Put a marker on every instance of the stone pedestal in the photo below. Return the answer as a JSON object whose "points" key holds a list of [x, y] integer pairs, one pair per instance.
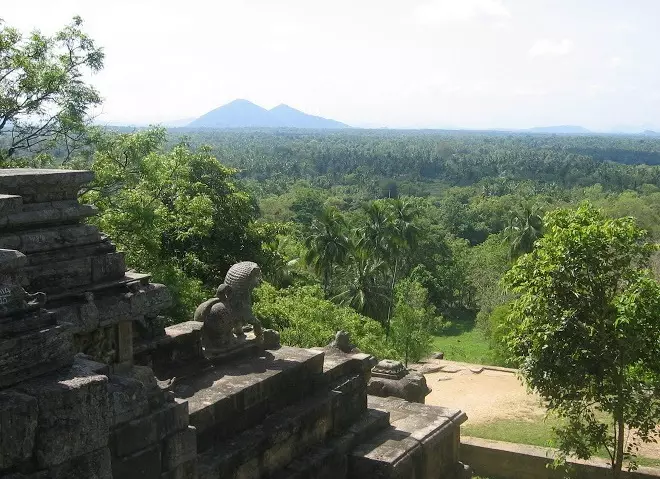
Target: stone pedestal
{"points": [[391, 378]]}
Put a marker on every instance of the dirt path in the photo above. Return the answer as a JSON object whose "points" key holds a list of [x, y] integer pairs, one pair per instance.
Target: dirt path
{"points": [[483, 394], [487, 395]]}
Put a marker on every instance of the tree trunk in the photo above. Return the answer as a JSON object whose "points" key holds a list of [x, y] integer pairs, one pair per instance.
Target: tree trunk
{"points": [[620, 440], [389, 306]]}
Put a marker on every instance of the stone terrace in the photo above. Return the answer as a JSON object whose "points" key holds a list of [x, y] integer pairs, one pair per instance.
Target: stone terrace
{"points": [[80, 339]]}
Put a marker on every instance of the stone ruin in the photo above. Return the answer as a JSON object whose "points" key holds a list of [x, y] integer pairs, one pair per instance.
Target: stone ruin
{"points": [[92, 385], [391, 379]]}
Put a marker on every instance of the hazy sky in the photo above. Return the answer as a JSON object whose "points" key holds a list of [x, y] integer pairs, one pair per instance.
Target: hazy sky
{"points": [[396, 63]]}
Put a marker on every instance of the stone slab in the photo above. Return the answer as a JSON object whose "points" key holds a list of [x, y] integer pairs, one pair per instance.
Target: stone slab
{"points": [[227, 399], [423, 442], [10, 204], [42, 185], [74, 414], [144, 464], [34, 353], [47, 215], [94, 465], [179, 448], [18, 425], [47, 239], [11, 260]]}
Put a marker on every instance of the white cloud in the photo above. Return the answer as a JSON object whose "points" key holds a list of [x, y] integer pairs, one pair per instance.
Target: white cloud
{"points": [[552, 48], [448, 11], [615, 62]]}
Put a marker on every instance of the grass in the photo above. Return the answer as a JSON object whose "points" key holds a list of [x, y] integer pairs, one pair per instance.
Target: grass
{"points": [[464, 342], [535, 432]]}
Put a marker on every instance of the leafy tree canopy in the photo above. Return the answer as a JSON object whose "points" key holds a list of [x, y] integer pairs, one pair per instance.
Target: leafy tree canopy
{"points": [[44, 99], [584, 331]]}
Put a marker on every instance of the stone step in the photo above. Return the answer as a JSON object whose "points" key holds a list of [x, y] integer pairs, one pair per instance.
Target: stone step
{"points": [[422, 442], [227, 399], [294, 438], [47, 214], [329, 461], [47, 239], [128, 278]]}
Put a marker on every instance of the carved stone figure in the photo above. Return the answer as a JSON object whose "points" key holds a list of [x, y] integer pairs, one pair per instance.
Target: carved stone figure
{"points": [[243, 278], [391, 378], [219, 322], [342, 342]]}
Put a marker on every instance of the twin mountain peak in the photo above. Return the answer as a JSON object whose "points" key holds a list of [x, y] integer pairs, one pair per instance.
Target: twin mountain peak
{"points": [[245, 114]]}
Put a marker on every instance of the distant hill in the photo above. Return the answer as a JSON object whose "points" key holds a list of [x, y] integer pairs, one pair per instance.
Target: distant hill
{"points": [[245, 114], [559, 129]]}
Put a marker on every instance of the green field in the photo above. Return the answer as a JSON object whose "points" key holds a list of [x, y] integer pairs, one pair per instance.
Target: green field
{"points": [[464, 342]]}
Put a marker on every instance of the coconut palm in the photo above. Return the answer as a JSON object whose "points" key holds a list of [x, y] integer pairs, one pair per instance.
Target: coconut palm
{"points": [[327, 244], [524, 228]]}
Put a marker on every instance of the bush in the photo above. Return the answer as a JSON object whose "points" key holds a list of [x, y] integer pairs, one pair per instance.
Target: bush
{"points": [[305, 319]]}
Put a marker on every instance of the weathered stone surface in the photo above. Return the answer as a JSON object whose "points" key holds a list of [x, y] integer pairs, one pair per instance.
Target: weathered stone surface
{"points": [[74, 414], [128, 399], [423, 443], [271, 339], [233, 397], [11, 260], [13, 325], [144, 464], [9, 204], [146, 431], [18, 424], [34, 353], [179, 448], [411, 387], [36, 241], [108, 266], [187, 470], [43, 185], [94, 465]]}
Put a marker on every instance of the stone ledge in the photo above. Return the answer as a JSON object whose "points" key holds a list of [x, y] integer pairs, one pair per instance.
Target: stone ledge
{"points": [[529, 462]]}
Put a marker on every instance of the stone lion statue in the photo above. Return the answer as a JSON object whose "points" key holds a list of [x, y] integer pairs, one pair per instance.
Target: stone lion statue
{"points": [[243, 277], [218, 321]]}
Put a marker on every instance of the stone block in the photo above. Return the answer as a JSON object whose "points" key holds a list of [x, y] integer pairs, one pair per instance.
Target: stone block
{"points": [[179, 448], [143, 464], [35, 353], [18, 425], [146, 431], [12, 295], [187, 470], [108, 267], [94, 465], [83, 317], [128, 399], [10, 204], [58, 277], [48, 239], [42, 185], [11, 260], [74, 414], [125, 341]]}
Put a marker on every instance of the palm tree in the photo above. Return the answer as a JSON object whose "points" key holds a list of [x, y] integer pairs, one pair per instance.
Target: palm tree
{"points": [[364, 287], [524, 228], [327, 244]]}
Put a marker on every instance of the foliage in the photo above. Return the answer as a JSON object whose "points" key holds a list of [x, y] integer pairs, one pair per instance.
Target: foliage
{"points": [[584, 331], [412, 322], [177, 214], [44, 100], [306, 319]]}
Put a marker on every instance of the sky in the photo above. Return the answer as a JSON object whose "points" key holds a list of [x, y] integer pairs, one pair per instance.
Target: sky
{"points": [[374, 63]]}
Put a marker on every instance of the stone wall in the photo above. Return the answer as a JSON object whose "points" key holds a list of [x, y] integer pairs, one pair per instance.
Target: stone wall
{"points": [[521, 461]]}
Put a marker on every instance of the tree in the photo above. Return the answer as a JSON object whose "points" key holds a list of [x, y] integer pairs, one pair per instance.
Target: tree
{"points": [[412, 322], [44, 100], [177, 214], [584, 331], [524, 228], [327, 244]]}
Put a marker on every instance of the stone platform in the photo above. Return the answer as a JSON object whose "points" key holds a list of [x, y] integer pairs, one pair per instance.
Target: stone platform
{"points": [[92, 385]]}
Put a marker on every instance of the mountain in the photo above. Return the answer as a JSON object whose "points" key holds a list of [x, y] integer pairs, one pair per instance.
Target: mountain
{"points": [[293, 118], [245, 114], [558, 129]]}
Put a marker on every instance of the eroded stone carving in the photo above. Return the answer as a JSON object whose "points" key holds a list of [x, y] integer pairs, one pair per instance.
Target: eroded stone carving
{"points": [[391, 378], [219, 322], [243, 277], [342, 342]]}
